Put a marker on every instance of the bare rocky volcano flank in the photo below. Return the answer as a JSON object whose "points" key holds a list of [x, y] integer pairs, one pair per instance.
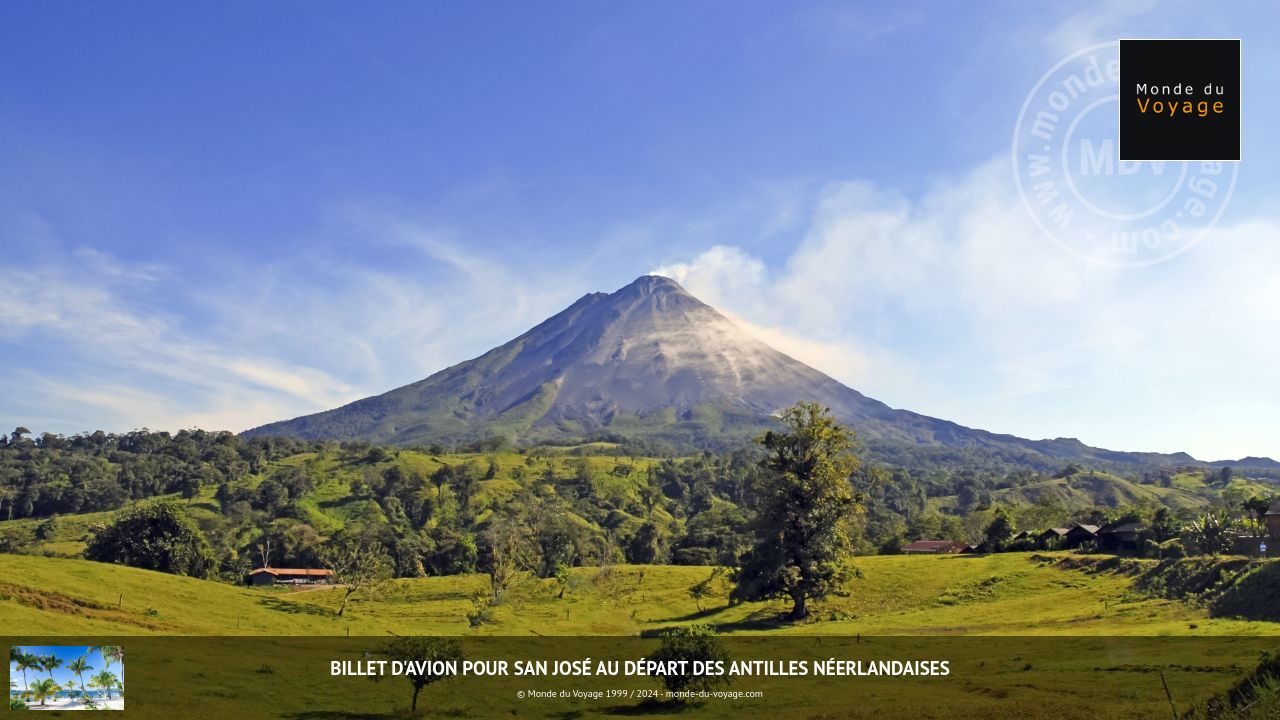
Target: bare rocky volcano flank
{"points": [[652, 346], [648, 361]]}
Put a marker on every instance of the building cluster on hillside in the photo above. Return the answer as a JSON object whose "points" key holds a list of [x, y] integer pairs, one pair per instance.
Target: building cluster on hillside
{"points": [[1112, 537], [1109, 537]]}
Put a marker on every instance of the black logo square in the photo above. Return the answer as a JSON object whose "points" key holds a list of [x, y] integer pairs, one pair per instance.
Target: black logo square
{"points": [[1179, 99]]}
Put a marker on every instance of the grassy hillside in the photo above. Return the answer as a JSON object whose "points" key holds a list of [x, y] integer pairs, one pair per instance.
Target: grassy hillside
{"points": [[1087, 606], [1009, 594], [1087, 488], [331, 505], [1201, 484]]}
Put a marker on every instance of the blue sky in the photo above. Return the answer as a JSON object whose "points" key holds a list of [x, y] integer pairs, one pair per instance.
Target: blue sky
{"points": [[226, 215], [62, 676]]}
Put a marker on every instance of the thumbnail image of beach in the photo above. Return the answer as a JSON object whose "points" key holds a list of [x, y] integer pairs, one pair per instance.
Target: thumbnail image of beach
{"points": [[66, 677]]}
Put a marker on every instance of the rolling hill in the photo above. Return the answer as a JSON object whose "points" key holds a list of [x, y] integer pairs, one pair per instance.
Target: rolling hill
{"points": [[1005, 594], [1109, 644]]}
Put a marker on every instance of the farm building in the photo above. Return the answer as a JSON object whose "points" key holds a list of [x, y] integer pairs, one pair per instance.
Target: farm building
{"points": [[290, 576], [1273, 520], [1123, 536], [1052, 538], [934, 547], [1079, 535]]}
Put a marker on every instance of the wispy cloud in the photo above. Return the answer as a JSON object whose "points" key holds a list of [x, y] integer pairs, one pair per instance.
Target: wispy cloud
{"points": [[953, 303], [90, 318], [956, 305], [844, 25], [1104, 21], [120, 345]]}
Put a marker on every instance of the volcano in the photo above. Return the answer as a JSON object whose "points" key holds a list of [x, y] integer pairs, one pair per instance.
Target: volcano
{"points": [[649, 361]]}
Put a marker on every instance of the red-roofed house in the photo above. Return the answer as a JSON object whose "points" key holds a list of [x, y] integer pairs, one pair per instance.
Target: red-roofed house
{"points": [[290, 576], [934, 547]]}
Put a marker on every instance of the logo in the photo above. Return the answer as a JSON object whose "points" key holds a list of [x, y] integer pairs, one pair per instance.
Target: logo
{"points": [[1180, 99], [1066, 162]]}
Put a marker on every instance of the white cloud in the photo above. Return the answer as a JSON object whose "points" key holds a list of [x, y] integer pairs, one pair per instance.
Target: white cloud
{"points": [[730, 280], [956, 305], [111, 344], [720, 269], [952, 304], [88, 317]]}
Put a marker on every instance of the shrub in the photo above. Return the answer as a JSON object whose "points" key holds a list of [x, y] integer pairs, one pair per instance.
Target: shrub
{"points": [[1150, 548], [691, 643], [153, 536], [1174, 548], [1025, 544]]}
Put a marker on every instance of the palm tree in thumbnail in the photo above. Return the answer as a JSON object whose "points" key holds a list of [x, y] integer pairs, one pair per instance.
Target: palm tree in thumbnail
{"points": [[80, 666], [104, 680], [26, 661], [15, 658], [44, 689], [109, 653], [49, 663]]}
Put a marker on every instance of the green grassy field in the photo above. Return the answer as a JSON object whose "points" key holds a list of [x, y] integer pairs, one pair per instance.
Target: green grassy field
{"points": [[1031, 634], [1046, 633], [1007, 594]]}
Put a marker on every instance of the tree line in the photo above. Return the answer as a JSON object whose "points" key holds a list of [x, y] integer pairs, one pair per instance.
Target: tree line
{"points": [[558, 513], [52, 474]]}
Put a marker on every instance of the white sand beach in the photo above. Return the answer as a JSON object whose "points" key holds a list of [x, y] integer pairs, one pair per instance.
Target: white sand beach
{"points": [[76, 704]]}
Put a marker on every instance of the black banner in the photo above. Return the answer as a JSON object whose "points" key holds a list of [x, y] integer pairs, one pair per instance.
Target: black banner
{"points": [[589, 677]]}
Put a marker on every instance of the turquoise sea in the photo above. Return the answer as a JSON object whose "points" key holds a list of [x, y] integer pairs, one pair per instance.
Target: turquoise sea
{"points": [[95, 693]]}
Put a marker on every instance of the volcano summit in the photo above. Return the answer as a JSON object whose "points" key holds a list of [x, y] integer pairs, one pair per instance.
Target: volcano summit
{"points": [[649, 361]]}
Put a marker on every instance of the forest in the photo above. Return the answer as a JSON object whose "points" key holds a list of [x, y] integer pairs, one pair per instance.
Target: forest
{"points": [[236, 504]]}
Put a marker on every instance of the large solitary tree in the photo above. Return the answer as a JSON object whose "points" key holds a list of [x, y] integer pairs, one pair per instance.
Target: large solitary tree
{"points": [[805, 504]]}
